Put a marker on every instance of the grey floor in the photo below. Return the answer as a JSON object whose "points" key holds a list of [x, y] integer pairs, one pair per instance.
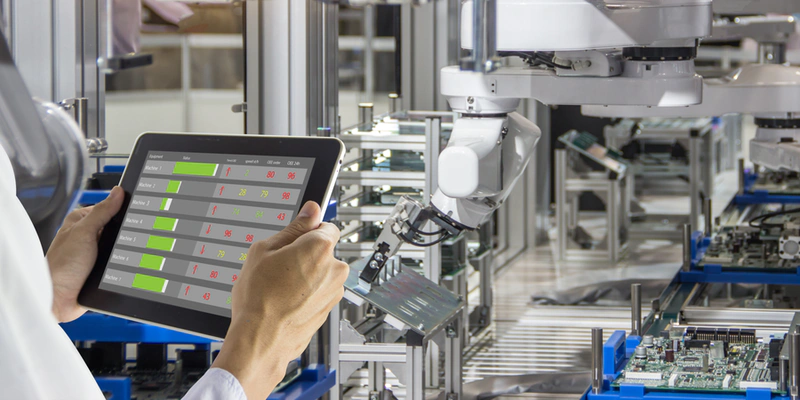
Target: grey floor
{"points": [[531, 339]]}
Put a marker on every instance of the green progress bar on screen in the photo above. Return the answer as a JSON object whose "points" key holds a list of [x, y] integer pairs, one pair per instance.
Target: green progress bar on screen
{"points": [[196, 169], [173, 186], [151, 283], [165, 204], [165, 224], [150, 261], [160, 243]]}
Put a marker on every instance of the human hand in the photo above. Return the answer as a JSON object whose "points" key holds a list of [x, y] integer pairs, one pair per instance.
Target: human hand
{"points": [[73, 253], [288, 285]]}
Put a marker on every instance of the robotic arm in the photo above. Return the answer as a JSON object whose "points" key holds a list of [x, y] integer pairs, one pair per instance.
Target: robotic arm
{"points": [[481, 164], [769, 90], [625, 52]]}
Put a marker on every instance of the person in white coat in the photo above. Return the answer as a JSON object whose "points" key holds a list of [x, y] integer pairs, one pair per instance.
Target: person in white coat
{"points": [[288, 285]]}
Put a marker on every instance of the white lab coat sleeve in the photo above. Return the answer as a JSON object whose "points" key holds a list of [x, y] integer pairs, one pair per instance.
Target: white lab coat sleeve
{"points": [[38, 361], [216, 384]]}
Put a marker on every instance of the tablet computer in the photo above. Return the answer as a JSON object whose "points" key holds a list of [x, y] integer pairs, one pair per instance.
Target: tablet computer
{"points": [[194, 204]]}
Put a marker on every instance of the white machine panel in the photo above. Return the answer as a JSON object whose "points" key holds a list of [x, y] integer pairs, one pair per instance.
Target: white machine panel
{"points": [[593, 24]]}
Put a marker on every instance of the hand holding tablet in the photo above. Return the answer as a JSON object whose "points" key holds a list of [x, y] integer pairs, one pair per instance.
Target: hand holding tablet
{"points": [[288, 285]]}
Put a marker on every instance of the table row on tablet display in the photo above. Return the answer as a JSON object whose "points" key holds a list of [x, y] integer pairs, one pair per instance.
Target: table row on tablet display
{"points": [[178, 267], [169, 289], [187, 247], [208, 230], [228, 172], [229, 191], [169, 207]]}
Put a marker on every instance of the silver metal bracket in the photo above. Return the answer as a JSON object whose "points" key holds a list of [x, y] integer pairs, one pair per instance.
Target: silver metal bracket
{"points": [[79, 108], [410, 300]]}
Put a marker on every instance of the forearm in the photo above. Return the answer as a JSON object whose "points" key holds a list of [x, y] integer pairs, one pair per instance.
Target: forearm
{"points": [[253, 356]]}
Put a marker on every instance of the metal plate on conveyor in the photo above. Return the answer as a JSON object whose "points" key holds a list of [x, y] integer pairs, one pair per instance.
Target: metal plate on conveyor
{"points": [[407, 296]]}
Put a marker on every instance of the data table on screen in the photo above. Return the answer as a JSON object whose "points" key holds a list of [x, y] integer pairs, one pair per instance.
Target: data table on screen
{"points": [[192, 219]]}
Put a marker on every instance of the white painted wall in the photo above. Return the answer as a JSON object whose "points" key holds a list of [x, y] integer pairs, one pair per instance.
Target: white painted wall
{"points": [[128, 114]]}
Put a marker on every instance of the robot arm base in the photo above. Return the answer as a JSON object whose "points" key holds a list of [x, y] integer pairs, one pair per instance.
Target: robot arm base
{"points": [[648, 83]]}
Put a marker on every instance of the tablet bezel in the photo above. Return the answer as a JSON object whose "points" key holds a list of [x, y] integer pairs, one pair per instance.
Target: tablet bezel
{"points": [[327, 152]]}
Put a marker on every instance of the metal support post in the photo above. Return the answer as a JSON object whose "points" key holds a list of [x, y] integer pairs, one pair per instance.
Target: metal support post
{"points": [[793, 339], [369, 53], [597, 360], [741, 175], [783, 376], [612, 213], [636, 309], [394, 102], [429, 41], [79, 107], [186, 82], [694, 178], [415, 373], [432, 263], [709, 219], [574, 210], [487, 288], [299, 95], [433, 255], [707, 160], [687, 247], [333, 339], [377, 379], [452, 363], [561, 198], [627, 199], [95, 42], [366, 112]]}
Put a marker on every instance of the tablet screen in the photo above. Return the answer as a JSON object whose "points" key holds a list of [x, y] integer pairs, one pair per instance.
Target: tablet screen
{"points": [[191, 220]]}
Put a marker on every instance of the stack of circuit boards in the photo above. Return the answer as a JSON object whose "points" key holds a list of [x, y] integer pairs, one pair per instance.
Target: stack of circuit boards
{"points": [[745, 249], [753, 237], [694, 359], [587, 145], [777, 182]]}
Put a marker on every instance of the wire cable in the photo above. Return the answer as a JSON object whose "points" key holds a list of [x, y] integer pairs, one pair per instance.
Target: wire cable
{"points": [[764, 217], [429, 244], [419, 232]]}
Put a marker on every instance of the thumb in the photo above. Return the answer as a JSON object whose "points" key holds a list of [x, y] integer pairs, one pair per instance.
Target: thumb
{"points": [[103, 211], [306, 221]]}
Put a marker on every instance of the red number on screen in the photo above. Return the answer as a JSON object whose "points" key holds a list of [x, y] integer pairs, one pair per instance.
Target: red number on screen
{"points": [[235, 277], [186, 293], [206, 296], [271, 174], [292, 175], [214, 274]]}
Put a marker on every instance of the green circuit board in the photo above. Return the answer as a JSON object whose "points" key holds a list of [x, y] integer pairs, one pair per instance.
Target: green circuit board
{"points": [[736, 245], [587, 145], [730, 252], [704, 366]]}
